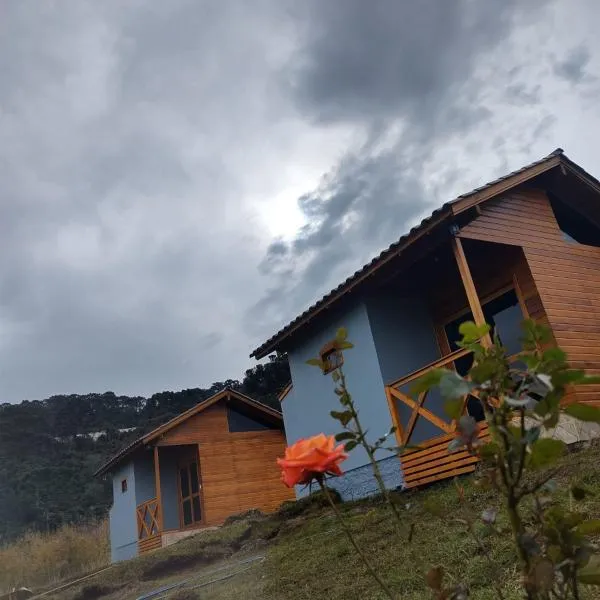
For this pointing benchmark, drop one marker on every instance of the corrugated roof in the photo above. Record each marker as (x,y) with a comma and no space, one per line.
(340,290)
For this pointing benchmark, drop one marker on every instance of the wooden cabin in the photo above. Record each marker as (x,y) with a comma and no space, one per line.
(524,246)
(212,461)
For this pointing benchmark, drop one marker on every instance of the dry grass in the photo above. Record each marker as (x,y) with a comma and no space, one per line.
(43,558)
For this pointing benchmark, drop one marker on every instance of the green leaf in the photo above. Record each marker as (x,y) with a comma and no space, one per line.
(590,574)
(583,412)
(428,380)
(545,451)
(315,362)
(343,417)
(554,355)
(345,435)
(350,445)
(453,386)
(489,451)
(591,527)
(341,334)
(454,408)
(471,332)
(336,376)
(344,345)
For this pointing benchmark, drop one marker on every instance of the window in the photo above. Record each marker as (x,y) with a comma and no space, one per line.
(242,421)
(189,494)
(575,227)
(123,486)
(331,357)
(504,315)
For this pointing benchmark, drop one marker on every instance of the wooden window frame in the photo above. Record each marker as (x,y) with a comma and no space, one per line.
(512,286)
(180,499)
(124,486)
(326,353)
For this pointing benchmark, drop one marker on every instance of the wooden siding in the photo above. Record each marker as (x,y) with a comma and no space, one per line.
(238,470)
(434,462)
(150,543)
(565,275)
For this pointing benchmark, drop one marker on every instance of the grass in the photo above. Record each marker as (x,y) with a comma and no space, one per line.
(45,558)
(307,556)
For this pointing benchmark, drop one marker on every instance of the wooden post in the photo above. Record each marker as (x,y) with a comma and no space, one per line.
(469,285)
(157,485)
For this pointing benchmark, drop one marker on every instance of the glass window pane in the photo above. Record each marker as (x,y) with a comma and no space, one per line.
(185,484)
(475,409)
(197,515)
(194,477)
(187,512)
(452,332)
(505,316)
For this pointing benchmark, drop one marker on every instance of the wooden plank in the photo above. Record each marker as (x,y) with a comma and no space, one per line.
(399,433)
(469,285)
(440,464)
(157,486)
(150,543)
(436,364)
(440,476)
(422,411)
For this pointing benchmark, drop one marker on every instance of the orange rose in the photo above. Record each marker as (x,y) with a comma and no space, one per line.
(310,458)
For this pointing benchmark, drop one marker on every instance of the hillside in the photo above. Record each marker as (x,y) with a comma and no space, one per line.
(301,553)
(49,449)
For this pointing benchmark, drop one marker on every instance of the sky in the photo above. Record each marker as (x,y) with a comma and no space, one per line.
(180,179)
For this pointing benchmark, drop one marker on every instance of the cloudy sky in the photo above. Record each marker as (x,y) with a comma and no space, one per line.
(178,179)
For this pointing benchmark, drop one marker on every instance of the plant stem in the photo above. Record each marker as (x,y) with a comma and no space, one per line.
(361,435)
(354,543)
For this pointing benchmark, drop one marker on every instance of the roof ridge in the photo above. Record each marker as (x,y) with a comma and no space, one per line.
(264,347)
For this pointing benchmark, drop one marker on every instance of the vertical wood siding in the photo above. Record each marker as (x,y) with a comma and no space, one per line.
(566,275)
(238,470)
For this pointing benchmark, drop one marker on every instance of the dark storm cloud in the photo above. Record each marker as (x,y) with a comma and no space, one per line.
(404,74)
(125,133)
(573,67)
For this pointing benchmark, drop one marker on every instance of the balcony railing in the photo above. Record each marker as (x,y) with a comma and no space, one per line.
(399,390)
(148,519)
(429,459)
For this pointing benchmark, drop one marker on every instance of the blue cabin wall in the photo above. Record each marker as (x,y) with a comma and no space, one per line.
(404,334)
(306,408)
(168,487)
(405,341)
(145,488)
(122,518)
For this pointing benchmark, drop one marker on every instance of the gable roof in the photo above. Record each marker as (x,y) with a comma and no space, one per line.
(228,394)
(443,215)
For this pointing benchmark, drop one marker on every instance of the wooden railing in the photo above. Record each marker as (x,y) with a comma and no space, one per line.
(148,519)
(394,392)
(430,460)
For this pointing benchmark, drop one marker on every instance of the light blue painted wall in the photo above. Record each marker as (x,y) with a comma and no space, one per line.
(168,487)
(393,335)
(145,488)
(123,524)
(306,409)
(405,341)
(403,332)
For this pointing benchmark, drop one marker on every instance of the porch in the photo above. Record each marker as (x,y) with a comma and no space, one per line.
(169,486)
(462,280)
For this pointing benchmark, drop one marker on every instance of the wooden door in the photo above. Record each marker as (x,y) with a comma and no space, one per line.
(191,511)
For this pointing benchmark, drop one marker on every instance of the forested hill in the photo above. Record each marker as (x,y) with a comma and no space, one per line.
(49,449)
